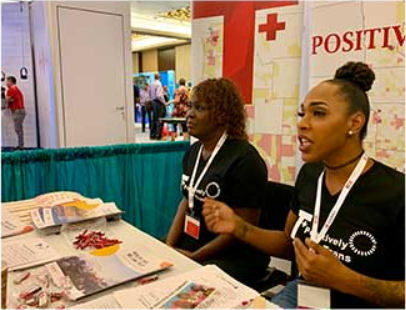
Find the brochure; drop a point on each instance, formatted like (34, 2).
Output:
(11, 225)
(26, 253)
(86, 274)
(51, 218)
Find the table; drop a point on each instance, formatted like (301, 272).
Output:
(130, 236)
(173, 120)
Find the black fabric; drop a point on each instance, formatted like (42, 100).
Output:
(368, 234)
(158, 110)
(144, 113)
(278, 199)
(238, 177)
(136, 91)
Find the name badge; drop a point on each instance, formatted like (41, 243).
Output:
(192, 226)
(313, 297)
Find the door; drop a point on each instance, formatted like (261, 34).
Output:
(93, 77)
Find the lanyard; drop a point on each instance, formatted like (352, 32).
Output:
(193, 187)
(317, 237)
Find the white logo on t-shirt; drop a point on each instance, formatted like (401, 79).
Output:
(359, 235)
(213, 190)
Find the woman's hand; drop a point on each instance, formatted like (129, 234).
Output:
(219, 218)
(318, 264)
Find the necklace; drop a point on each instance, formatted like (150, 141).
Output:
(345, 164)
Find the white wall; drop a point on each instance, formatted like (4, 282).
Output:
(15, 53)
(44, 77)
(53, 92)
(183, 62)
(150, 61)
(136, 65)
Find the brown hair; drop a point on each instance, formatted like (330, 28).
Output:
(224, 101)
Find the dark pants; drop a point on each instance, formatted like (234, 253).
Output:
(145, 112)
(287, 298)
(158, 110)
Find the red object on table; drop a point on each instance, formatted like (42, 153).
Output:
(95, 239)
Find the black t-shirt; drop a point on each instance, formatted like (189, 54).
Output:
(368, 233)
(237, 176)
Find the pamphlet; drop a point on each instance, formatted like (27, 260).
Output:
(202, 288)
(86, 274)
(11, 225)
(25, 253)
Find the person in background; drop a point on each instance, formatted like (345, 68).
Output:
(353, 246)
(225, 166)
(136, 98)
(136, 93)
(15, 102)
(181, 108)
(3, 98)
(156, 94)
(146, 106)
(166, 95)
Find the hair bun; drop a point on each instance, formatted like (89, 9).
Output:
(358, 73)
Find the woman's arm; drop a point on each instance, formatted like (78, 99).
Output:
(221, 219)
(272, 242)
(220, 243)
(212, 248)
(380, 292)
(177, 225)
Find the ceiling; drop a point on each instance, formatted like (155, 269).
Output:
(156, 7)
(157, 19)
(144, 42)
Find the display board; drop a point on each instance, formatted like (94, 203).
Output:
(272, 51)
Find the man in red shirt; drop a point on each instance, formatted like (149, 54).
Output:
(15, 101)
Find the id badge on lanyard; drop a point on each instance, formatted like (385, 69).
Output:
(319, 236)
(192, 226)
(311, 296)
(192, 222)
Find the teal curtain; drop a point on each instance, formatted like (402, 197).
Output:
(142, 179)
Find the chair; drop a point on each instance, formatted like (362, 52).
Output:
(273, 216)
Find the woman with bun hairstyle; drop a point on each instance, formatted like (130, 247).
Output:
(346, 226)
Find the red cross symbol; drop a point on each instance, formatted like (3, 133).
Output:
(239, 30)
(271, 27)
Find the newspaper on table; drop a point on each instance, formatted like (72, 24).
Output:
(87, 274)
(26, 253)
(11, 225)
(56, 210)
(207, 287)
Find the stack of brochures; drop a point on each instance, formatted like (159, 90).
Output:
(53, 213)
